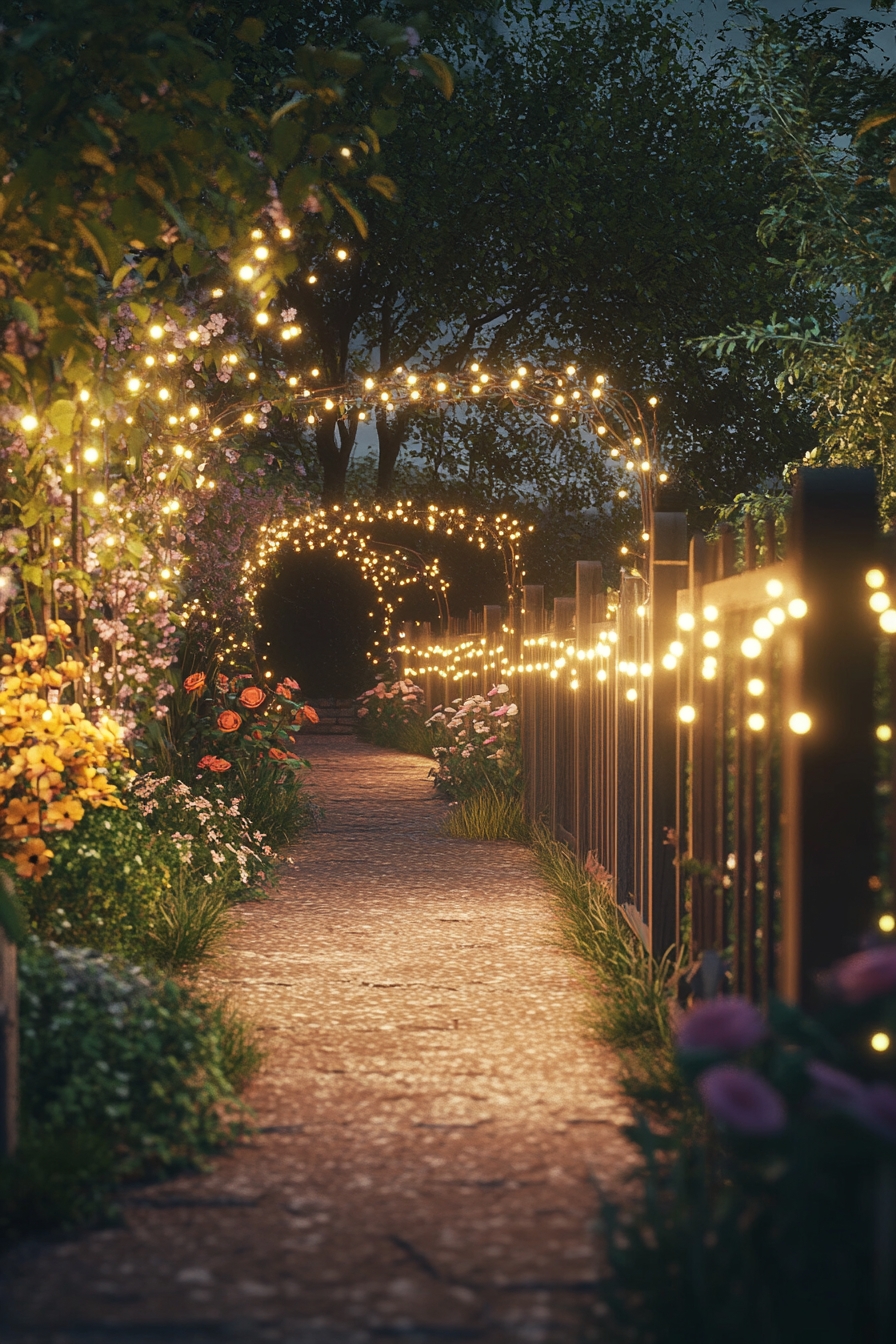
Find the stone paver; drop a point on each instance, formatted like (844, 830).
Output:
(432, 1112)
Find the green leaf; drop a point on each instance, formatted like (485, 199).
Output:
(251, 30)
(135, 548)
(61, 416)
(94, 155)
(94, 244)
(384, 185)
(384, 120)
(121, 273)
(350, 208)
(32, 573)
(442, 75)
(23, 312)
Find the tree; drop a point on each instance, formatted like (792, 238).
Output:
(822, 109)
(591, 192)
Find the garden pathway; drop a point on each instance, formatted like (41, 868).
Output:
(432, 1112)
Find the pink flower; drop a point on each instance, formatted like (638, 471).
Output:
(488, 741)
(499, 712)
(866, 975)
(288, 681)
(742, 1100)
(721, 1024)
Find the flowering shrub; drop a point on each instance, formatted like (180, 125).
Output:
(483, 746)
(391, 714)
(137, 1062)
(235, 740)
(772, 1219)
(54, 760)
(208, 830)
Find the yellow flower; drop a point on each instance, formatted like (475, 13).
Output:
(62, 814)
(32, 859)
(22, 818)
(70, 669)
(58, 629)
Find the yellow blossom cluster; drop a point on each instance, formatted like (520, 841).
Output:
(53, 758)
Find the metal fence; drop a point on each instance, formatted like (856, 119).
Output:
(711, 744)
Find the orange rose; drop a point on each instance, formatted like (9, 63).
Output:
(311, 714)
(223, 683)
(205, 763)
(277, 754)
(252, 697)
(195, 682)
(284, 691)
(229, 721)
(218, 765)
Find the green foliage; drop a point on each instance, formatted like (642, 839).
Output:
(124, 1075)
(152, 882)
(488, 816)
(544, 217)
(782, 1232)
(634, 990)
(815, 88)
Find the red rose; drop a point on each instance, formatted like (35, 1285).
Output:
(311, 714)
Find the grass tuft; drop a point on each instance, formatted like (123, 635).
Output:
(190, 922)
(488, 816)
(634, 991)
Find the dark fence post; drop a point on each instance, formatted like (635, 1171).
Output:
(9, 1047)
(532, 706)
(828, 825)
(668, 573)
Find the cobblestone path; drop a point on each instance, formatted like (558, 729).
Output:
(432, 1112)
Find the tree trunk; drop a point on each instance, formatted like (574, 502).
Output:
(335, 441)
(390, 437)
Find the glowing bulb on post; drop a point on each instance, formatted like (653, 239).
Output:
(91, 455)
(28, 423)
(686, 621)
(246, 272)
(875, 578)
(878, 602)
(756, 722)
(797, 608)
(799, 723)
(687, 713)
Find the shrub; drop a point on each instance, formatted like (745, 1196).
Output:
(483, 746)
(773, 1219)
(209, 830)
(151, 881)
(124, 1074)
(391, 715)
(235, 740)
(54, 761)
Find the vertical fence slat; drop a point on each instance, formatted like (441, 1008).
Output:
(828, 772)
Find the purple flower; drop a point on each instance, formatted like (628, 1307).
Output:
(742, 1100)
(866, 975)
(833, 1087)
(874, 1106)
(721, 1024)
(412, 37)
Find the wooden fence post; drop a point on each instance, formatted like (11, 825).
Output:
(828, 828)
(532, 707)
(668, 573)
(9, 1047)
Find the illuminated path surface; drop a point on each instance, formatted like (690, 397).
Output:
(432, 1112)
